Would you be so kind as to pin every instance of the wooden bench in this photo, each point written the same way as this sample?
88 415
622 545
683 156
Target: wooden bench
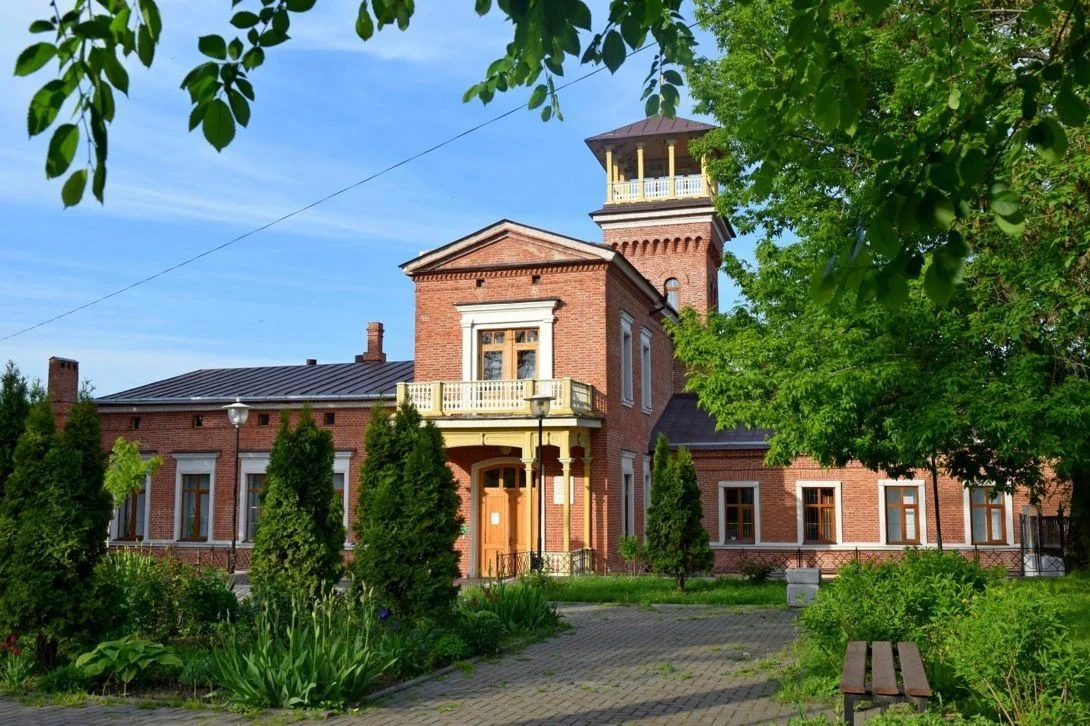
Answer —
883 686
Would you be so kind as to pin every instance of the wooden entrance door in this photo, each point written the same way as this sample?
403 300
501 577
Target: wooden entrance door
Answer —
500 516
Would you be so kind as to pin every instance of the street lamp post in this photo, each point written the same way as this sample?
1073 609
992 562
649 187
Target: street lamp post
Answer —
237 414
539 407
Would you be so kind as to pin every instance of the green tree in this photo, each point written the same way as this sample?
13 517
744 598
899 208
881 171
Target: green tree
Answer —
408 518
677 542
55 514
298 546
126 469
14 407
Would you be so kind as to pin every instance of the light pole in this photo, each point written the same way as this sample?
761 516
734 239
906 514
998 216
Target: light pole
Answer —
539 407
237 414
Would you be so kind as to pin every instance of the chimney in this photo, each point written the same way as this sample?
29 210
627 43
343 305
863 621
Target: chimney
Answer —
63 386
311 361
374 344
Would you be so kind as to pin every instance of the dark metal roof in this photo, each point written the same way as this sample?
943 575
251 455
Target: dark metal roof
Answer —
329 381
686 424
653 126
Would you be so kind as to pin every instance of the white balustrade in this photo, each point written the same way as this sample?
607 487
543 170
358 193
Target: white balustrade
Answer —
691 185
496 397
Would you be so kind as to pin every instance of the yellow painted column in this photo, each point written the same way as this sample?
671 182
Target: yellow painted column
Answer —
609 174
639 170
586 496
704 176
528 462
670 143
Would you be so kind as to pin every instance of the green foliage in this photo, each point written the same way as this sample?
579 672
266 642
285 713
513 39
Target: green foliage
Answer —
161 599
898 715
539 579
447 648
677 542
126 659
726 591
14 408
756 572
198 672
298 545
633 552
325 654
482 630
52 521
523 610
126 469
408 517
16 664
1014 655
68 678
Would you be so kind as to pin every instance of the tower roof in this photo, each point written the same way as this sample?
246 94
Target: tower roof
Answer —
651 126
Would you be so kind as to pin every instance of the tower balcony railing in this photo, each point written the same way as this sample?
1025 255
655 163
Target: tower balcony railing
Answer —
689 185
496 398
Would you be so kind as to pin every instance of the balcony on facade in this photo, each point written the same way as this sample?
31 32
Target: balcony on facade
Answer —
497 398
649 190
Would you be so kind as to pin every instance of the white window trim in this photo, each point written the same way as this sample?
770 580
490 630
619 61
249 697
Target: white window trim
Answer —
756 487
252 462
645 369
115 523
627 460
538 314
195 464
627 382
475 506
1008 516
646 492
921 498
342 464
800 510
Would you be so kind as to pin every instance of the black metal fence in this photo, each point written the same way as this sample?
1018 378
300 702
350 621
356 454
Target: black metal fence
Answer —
1042 547
576 562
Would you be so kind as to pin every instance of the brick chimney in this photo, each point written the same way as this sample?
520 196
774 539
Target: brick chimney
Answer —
63 387
374 344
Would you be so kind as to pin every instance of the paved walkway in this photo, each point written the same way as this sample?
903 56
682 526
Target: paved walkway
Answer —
666 664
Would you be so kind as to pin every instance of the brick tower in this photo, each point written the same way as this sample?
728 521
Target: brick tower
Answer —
660 211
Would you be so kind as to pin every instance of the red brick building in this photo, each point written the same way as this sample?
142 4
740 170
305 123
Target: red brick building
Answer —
509 312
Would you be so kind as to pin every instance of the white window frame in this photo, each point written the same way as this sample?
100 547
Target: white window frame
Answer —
204 463
627 382
252 462
645 369
921 498
342 464
800 510
1008 517
539 314
646 492
756 487
115 523
627 461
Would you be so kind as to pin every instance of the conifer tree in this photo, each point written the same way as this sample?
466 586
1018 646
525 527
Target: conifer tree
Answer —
408 517
297 551
677 542
14 407
55 516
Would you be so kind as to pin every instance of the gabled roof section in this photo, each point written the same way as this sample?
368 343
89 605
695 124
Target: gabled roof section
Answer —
686 424
368 380
653 126
469 250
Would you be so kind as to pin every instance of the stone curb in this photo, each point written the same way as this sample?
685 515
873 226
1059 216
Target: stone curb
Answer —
397 687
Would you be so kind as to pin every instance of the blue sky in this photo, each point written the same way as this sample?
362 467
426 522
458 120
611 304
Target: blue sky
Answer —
330 110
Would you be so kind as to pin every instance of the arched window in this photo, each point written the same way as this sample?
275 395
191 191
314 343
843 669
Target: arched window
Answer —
673 293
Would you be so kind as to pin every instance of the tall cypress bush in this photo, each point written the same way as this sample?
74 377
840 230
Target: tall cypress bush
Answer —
14 407
54 521
297 551
677 542
408 518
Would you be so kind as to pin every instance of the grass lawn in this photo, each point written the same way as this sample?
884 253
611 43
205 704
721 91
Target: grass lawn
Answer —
649 589
1072 595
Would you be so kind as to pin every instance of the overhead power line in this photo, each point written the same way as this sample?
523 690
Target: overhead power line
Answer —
300 210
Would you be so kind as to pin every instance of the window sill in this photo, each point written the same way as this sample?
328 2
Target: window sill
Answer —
647 411
915 543
627 404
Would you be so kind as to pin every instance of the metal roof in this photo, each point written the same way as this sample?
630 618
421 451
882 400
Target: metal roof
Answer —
686 424
653 126
328 381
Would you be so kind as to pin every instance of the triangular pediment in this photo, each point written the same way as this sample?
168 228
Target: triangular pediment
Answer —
507 244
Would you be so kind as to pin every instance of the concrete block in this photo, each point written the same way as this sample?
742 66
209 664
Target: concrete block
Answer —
800 595
803 576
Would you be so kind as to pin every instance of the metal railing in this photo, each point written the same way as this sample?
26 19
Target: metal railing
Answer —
454 398
576 562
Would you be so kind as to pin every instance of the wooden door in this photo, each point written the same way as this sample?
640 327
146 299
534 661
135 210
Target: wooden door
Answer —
495 528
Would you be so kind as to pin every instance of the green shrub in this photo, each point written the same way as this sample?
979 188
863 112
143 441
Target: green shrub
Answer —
633 552
446 648
205 598
482 631
903 715
756 572
522 610
905 600
16 664
677 541
539 579
326 654
1014 655
198 672
407 650
68 678
126 659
